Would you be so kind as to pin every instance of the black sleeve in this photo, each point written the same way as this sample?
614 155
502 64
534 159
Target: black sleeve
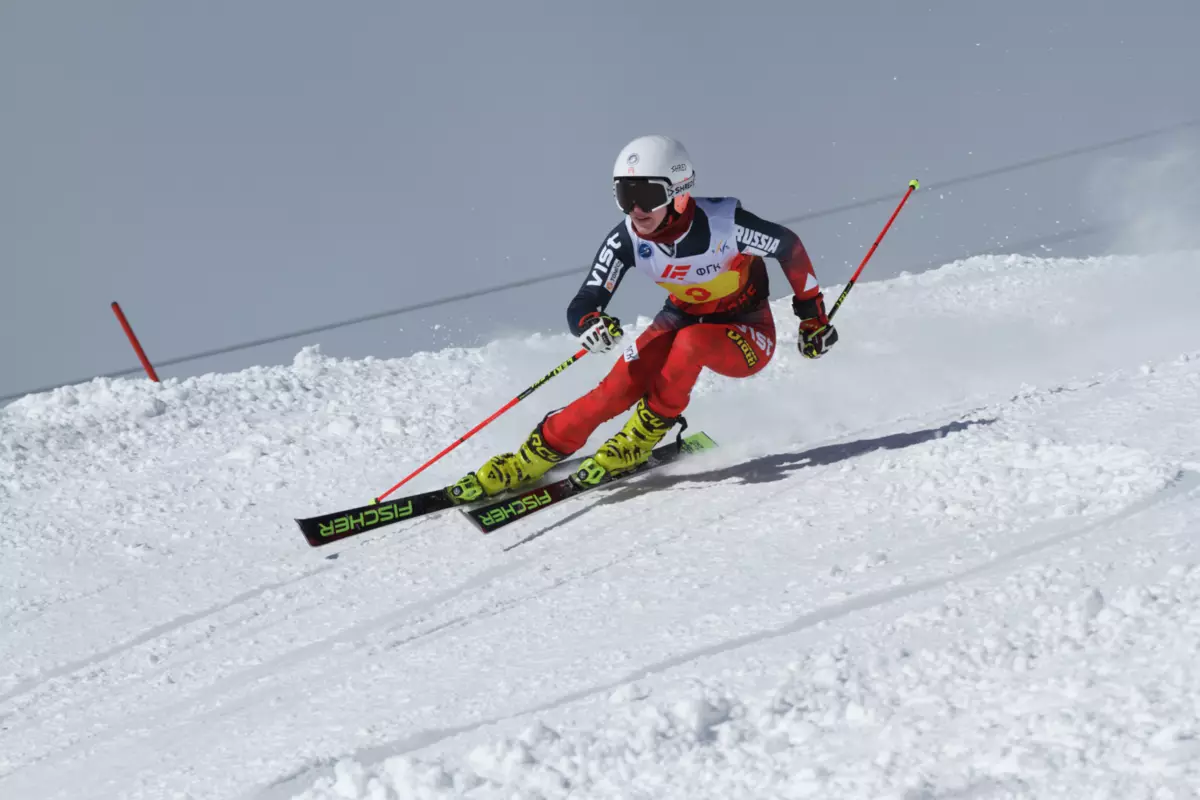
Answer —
604 276
762 238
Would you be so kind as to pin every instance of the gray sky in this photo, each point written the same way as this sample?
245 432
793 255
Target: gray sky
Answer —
235 169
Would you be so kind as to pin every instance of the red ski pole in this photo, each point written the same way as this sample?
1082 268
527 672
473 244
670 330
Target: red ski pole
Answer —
488 421
913 185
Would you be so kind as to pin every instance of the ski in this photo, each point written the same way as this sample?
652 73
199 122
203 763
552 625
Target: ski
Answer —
332 527
498 513
337 525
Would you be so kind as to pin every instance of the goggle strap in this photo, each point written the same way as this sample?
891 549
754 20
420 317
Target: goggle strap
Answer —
682 188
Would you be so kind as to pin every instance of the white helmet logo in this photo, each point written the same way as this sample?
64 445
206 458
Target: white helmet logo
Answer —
633 159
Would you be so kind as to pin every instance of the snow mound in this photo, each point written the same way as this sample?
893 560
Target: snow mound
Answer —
954 558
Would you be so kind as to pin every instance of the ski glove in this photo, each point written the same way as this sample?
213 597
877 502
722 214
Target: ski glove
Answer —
817 334
602 334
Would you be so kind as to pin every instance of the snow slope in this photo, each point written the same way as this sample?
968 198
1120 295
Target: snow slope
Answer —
956 558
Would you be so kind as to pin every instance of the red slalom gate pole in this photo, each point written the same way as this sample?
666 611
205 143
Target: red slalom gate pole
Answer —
133 340
487 421
913 185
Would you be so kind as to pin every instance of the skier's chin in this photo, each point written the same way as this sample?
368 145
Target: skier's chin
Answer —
646 223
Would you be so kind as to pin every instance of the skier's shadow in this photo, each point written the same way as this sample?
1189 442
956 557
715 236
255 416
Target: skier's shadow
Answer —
768 469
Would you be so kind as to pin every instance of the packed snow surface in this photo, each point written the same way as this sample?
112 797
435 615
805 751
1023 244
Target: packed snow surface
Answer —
955 558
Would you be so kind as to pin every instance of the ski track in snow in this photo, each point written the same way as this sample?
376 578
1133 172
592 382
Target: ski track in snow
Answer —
956 558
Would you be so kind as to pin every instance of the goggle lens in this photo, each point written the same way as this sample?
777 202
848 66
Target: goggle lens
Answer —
646 194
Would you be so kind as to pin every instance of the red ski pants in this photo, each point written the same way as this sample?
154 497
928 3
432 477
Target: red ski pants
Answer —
663 366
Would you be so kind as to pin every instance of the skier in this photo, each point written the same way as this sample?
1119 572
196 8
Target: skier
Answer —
708 254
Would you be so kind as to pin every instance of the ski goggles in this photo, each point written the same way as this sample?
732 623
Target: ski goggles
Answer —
648 194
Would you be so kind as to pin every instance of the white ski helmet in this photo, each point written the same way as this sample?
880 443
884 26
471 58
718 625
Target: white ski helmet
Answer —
650 172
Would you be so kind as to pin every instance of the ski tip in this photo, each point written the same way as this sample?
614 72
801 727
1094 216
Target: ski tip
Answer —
914 184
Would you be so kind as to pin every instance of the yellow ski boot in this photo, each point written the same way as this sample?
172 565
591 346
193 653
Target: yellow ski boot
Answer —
628 448
507 471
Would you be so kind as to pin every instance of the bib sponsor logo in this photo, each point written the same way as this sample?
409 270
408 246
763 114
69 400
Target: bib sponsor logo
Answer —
644 250
679 272
675 272
754 240
703 290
